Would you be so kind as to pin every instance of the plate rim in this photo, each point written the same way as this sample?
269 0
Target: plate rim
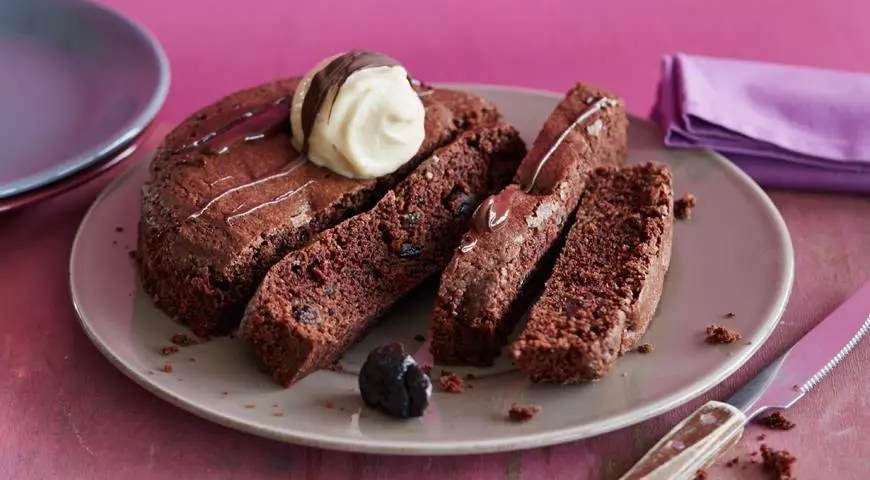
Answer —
132 129
505 444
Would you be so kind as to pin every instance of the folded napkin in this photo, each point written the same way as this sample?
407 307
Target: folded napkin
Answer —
786 126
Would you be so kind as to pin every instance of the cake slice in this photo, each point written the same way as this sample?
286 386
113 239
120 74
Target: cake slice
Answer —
608 279
319 299
228 197
499 269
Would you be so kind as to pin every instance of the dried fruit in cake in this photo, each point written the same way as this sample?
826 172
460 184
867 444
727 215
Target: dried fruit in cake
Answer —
391 381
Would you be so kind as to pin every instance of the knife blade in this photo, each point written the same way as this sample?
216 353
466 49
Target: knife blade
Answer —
698 440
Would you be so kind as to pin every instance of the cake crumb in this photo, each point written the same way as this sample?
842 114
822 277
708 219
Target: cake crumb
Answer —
183 340
701 474
132 254
119 229
645 348
683 207
251 405
329 404
192 359
760 438
336 367
720 334
451 382
167 351
730 315
522 413
150 372
732 462
796 388
749 342
779 464
777 421
278 414
420 338
224 394
166 368
114 242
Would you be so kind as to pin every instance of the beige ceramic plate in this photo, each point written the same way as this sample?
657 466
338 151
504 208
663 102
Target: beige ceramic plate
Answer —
734 255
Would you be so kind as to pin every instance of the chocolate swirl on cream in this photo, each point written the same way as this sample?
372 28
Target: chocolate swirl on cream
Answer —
330 79
495 209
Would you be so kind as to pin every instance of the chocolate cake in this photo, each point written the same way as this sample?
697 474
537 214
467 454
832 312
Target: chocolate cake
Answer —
607 281
228 197
319 299
503 261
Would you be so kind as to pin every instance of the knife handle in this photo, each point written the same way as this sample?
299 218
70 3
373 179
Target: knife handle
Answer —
692 445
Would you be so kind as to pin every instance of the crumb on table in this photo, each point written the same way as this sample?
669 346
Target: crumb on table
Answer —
760 438
522 413
732 462
451 382
720 334
684 206
645 348
776 421
779 464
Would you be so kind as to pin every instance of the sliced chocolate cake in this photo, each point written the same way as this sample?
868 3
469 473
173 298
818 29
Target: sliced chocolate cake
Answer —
319 299
229 196
503 261
608 279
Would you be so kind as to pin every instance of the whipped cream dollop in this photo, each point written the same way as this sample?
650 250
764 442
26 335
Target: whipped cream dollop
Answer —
358 115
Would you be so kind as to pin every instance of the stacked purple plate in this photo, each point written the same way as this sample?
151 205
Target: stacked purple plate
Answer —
78 88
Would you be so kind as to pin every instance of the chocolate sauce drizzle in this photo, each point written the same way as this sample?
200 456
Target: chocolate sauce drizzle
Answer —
252 125
495 209
330 79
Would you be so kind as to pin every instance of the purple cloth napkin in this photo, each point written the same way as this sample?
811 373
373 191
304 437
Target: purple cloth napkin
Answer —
786 126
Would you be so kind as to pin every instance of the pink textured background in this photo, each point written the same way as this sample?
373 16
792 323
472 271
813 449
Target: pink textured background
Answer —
66 413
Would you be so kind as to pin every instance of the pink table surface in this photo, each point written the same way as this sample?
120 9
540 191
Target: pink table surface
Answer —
65 412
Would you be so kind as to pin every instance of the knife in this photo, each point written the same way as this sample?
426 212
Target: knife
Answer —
697 441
